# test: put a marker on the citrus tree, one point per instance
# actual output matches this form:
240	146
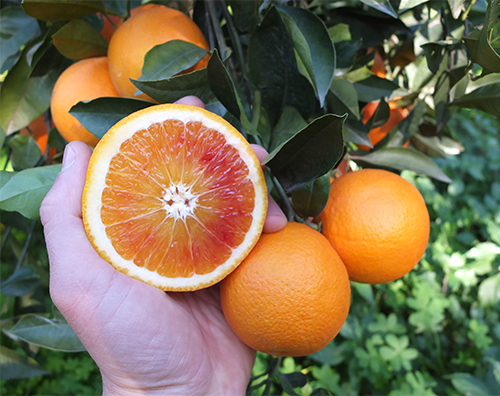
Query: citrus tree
324	86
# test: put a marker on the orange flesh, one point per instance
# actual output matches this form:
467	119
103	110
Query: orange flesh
178	199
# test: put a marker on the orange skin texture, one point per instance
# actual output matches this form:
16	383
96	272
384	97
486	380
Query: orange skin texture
38	129
396	115
84	80
290	296
378	223
108	29
137	35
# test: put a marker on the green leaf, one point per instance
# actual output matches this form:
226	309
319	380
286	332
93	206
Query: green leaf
23	98
379	116
456	7
49	333
339	32
409	4
314	47
287	386
273	69
485	98
469	385
46	56
15	366
310	153
373	88
61	10
382	6
24	192
400	158
165	60
489	291
25	152
78	39
100	114
290	122
310	200
23	281
224	89
479	45
16	30
436	146
172	89
344	97
364	290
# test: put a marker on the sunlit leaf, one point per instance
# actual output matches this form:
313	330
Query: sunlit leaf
485	98
24	192
49	333
382	6
78	39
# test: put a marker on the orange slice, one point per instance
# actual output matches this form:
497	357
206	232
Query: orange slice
174	197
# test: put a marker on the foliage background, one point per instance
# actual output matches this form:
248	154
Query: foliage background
435	331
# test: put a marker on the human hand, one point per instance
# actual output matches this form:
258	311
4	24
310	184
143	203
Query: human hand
145	341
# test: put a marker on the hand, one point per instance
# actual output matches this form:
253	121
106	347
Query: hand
145	341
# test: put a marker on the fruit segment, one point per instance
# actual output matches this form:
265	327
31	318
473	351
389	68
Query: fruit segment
182	207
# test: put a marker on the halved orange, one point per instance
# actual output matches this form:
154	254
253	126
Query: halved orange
174	197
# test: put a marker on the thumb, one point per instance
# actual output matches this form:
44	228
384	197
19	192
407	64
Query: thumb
74	262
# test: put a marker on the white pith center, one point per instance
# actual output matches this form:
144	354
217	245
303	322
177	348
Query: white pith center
179	201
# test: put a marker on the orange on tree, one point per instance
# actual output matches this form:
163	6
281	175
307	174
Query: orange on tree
290	296
396	115
378	223
137	35
378	67
84	80
38	129
174	197
110	25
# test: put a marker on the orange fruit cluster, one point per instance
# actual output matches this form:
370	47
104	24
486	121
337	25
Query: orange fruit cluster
149	25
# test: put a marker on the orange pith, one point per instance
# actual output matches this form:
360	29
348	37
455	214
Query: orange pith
179	200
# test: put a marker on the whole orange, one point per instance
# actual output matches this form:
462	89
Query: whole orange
396	115
290	296
84	80
137	35
378	223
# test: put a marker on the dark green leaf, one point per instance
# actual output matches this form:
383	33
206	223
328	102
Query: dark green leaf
380	116
314	47
164	61
287	385
24	99
344	97
78	39
224	89
356	132
25	152
100	114
321	392
479	45
288	125
273	69
25	190
16	30
46	56
309	154
23	281
373	88
167	91
400	158
222	85
61	10
15	366
49	333
310	200
485	98
382	6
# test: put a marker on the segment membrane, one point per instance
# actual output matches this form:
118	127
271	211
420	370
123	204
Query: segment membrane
178	199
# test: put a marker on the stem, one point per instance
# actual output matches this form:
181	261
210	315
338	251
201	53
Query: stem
276	363
468	9
6	236
256	109
26	244
221	42
290	213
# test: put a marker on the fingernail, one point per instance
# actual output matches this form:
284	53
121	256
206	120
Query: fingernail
68	157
